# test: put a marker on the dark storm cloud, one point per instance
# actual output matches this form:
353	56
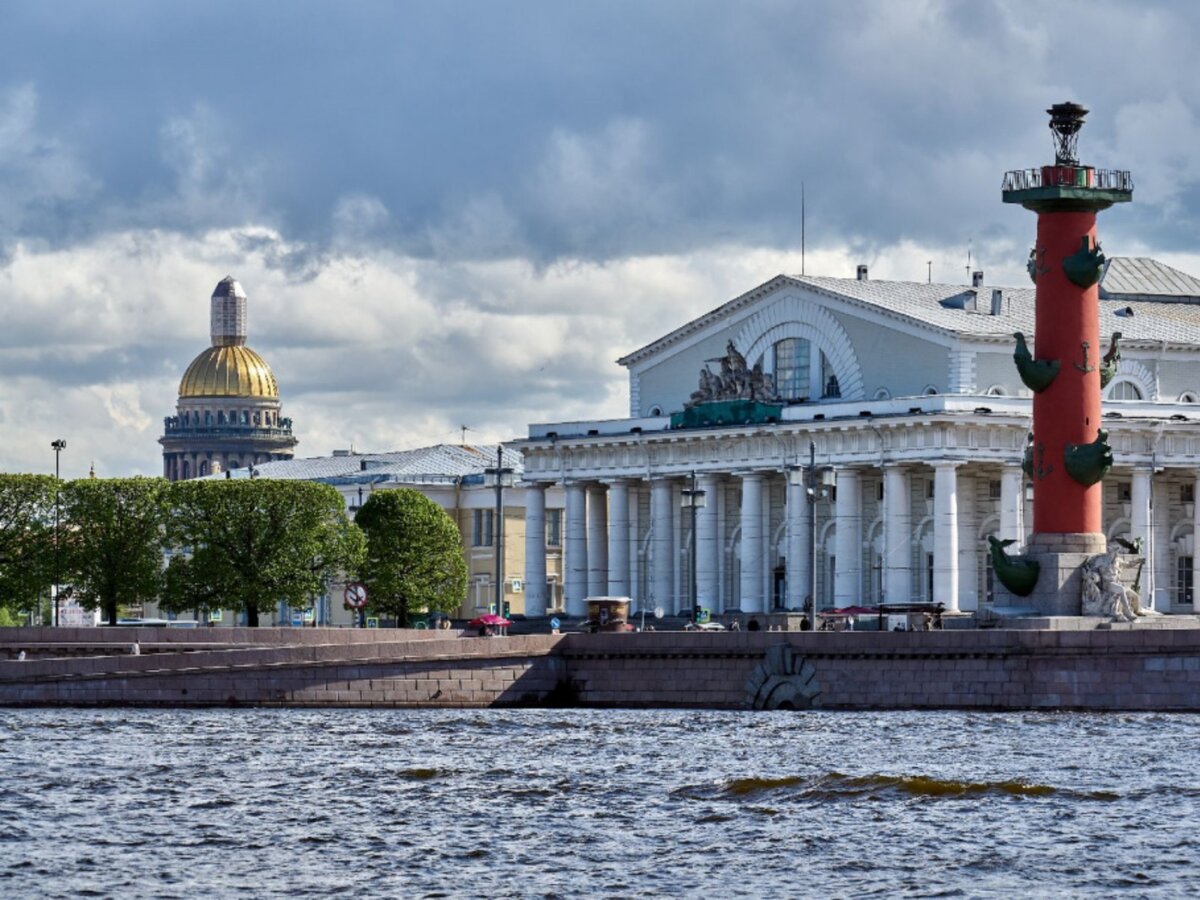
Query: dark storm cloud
549	129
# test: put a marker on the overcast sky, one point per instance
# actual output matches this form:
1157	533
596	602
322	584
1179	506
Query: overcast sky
461	213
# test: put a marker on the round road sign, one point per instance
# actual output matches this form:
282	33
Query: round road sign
356	595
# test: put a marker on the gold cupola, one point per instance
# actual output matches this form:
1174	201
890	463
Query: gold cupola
235	371
228	415
229	368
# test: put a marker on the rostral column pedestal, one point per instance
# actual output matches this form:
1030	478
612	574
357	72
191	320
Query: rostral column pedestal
1069	454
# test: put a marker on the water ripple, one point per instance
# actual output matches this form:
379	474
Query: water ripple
544	803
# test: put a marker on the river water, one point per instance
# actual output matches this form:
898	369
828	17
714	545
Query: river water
555	803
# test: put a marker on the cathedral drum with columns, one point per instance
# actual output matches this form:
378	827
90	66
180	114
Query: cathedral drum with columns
909	392
228	413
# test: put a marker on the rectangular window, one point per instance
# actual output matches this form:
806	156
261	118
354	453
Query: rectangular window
1187	493
829	381
481	528
994	490
1124	492
1183	581
554	528
879	494
792	368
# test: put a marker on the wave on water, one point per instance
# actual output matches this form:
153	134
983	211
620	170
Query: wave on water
840	786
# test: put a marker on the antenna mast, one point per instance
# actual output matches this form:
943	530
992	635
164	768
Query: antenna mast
802	224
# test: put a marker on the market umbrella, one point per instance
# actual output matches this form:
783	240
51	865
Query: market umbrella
488	619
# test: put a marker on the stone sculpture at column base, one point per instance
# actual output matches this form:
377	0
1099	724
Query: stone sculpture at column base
1105	592
1059	588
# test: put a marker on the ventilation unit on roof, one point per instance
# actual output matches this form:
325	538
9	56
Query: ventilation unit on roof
862	273
997	302
977	278
1125	313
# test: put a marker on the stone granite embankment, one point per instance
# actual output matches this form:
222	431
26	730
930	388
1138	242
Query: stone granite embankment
1112	669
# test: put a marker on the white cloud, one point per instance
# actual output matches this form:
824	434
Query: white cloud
379	350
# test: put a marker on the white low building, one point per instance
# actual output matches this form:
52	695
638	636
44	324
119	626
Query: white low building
909	392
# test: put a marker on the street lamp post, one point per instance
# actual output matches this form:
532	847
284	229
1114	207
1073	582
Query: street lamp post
693	499
817	483
500	477
58	446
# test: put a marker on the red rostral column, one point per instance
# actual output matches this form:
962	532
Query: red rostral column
1066	265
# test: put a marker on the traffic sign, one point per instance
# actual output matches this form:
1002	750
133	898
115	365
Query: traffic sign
356	595
554	623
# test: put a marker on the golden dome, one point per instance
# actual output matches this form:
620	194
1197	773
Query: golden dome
235	371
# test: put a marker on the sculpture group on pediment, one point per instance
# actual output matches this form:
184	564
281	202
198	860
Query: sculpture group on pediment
735	381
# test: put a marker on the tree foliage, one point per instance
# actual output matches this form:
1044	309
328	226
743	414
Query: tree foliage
26	539
414	555
249	544
112	540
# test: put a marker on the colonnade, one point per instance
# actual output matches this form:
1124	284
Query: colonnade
738	545
915	545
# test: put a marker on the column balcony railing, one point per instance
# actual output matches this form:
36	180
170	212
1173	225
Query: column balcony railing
1069	177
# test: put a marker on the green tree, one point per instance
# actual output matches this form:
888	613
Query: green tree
113	541
26	539
414	555
251	543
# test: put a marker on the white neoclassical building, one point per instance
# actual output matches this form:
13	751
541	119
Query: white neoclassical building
910	393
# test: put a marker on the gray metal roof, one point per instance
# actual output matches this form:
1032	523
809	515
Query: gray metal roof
1141	278
961	310
439	464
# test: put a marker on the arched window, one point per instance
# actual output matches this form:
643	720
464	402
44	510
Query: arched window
655	411
1188	397
883	394
931	391
997	390
792	362
1124	389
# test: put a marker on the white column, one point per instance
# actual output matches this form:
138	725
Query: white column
1012	498
752	599
1196	546
535	549
575	582
725	601
618	539
597	538
766	570
897	535
1139	527
847	580
636	590
707	546
799	562
945	534
662	544
968	541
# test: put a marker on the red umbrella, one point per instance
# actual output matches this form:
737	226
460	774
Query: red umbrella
488	619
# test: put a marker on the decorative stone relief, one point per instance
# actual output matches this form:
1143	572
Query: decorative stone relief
783	680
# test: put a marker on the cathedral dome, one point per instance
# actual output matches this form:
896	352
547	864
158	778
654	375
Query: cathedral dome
232	371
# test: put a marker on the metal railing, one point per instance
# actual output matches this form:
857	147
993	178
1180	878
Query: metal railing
249	431
1068	176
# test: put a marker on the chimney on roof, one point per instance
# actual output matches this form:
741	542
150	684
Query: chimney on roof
862	272
977	278
997	302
